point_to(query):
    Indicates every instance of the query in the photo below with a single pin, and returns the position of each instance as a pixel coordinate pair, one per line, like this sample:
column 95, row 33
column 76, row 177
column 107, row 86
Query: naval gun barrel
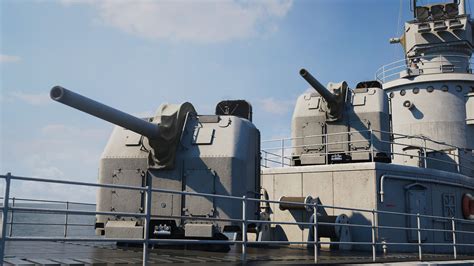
column 325, row 93
column 104, row 112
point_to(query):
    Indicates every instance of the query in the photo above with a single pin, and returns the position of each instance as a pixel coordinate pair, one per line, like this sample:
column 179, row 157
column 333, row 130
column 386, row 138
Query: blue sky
column 136, row 55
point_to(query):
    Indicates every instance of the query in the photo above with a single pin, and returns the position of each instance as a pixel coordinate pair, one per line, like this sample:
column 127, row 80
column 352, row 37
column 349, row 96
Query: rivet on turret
column 408, row 104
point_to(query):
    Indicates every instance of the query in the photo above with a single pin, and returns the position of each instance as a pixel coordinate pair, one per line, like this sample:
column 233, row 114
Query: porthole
column 445, row 88
column 430, row 88
column 472, row 89
column 391, row 95
column 458, row 88
column 403, row 92
column 416, row 90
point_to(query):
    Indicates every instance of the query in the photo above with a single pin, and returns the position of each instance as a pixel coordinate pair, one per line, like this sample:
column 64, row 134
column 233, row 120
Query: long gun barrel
column 325, row 93
column 104, row 112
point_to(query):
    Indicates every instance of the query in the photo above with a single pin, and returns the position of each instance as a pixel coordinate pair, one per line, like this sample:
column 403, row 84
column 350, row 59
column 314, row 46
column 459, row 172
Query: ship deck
column 73, row 253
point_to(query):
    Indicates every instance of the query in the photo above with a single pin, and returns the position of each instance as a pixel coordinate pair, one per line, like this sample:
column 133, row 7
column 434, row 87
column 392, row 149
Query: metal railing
column 280, row 152
column 66, row 204
column 429, row 64
column 146, row 216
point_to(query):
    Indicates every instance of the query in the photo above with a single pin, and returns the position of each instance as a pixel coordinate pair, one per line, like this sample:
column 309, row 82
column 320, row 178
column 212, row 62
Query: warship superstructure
column 402, row 143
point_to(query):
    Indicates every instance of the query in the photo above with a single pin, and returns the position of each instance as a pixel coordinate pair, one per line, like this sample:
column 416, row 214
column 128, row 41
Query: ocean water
column 51, row 224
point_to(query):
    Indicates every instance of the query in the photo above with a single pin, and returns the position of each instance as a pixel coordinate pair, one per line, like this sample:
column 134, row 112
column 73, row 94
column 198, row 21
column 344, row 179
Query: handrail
column 50, row 201
column 244, row 220
column 426, row 145
column 391, row 71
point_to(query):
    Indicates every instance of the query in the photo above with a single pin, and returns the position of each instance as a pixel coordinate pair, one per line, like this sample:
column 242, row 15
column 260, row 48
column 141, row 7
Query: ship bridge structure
column 431, row 90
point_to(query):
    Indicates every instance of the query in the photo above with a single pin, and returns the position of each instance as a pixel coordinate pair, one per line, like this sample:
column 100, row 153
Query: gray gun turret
column 334, row 101
column 339, row 124
column 176, row 149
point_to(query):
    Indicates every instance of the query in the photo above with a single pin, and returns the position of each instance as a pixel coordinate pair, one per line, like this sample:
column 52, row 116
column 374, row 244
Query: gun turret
column 107, row 113
column 334, row 101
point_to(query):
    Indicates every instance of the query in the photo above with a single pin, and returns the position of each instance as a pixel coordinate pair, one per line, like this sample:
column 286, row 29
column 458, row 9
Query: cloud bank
column 9, row 58
column 278, row 107
column 195, row 21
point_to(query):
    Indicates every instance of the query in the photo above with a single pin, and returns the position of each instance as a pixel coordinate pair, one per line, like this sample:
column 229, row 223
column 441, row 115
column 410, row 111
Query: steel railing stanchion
column 5, row 216
column 11, row 217
column 418, row 227
column 383, row 73
column 454, row 237
column 326, row 148
column 282, row 152
column 372, row 145
column 315, row 232
column 146, row 224
column 266, row 159
column 66, row 219
column 373, row 236
column 244, row 229
column 425, row 159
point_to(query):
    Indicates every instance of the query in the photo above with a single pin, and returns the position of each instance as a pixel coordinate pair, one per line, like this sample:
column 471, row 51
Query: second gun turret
column 338, row 124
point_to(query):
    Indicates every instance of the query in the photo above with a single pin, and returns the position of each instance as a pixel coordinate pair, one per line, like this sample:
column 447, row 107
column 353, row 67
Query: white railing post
column 244, row 229
column 282, row 152
column 373, row 236
column 5, row 216
column 425, row 159
column 315, row 232
column 383, row 74
column 372, row 144
column 418, row 226
column 11, row 217
column 266, row 159
column 326, row 148
column 66, row 219
column 454, row 237
column 146, row 224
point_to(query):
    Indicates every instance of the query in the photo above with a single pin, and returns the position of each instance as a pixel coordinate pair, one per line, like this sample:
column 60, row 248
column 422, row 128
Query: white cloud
column 197, row 21
column 66, row 132
column 278, row 107
column 9, row 58
column 31, row 98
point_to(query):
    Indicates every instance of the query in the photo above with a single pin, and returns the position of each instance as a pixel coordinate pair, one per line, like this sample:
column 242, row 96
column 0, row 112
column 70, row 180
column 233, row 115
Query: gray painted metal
column 203, row 154
column 436, row 72
column 375, row 227
column 355, row 136
column 430, row 137
column 214, row 156
column 104, row 112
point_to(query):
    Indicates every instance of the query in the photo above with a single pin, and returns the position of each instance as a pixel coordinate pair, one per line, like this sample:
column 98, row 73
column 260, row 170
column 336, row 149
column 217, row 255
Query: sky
column 136, row 55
